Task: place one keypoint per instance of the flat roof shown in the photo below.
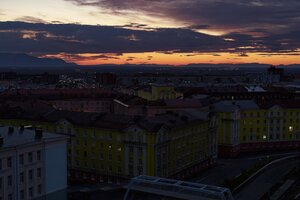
(17, 137)
(177, 189)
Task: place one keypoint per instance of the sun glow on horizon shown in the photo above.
(177, 59)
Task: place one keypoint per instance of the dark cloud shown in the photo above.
(77, 57)
(21, 37)
(74, 38)
(190, 55)
(274, 15)
(104, 57)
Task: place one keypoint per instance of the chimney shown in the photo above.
(1, 141)
(38, 133)
(10, 130)
(21, 130)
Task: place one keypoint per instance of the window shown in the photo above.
(39, 172)
(140, 170)
(9, 197)
(38, 155)
(9, 180)
(271, 137)
(22, 195)
(9, 164)
(140, 161)
(31, 192)
(40, 189)
(30, 157)
(141, 150)
(131, 149)
(21, 159)
(118, 137)
(22, 177)
(30, 174)
(130, 169)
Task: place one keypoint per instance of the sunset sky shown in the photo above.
(172, 32)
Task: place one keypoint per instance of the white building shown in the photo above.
(32, 163)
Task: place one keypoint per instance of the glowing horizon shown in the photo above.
(178, 59)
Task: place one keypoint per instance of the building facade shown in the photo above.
(244, 126)
(32, 163)
(156, 92)
(112, 148)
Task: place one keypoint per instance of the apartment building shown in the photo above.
(111, 148)
(247, 126)
(32, 163)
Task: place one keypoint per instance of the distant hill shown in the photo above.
(24, 60)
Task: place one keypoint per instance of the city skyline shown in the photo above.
(168, 32)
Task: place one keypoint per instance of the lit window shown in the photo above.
(264, 137)
(290, 128)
